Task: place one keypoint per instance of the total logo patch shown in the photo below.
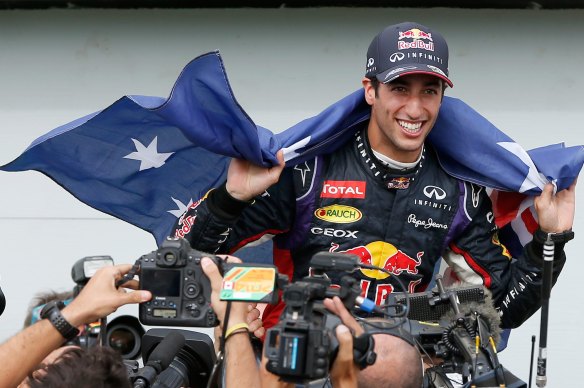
(338, 214)
(343, 189)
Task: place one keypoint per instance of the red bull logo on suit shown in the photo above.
(384, 255)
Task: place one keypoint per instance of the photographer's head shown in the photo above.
(97, 367)
(398, 365)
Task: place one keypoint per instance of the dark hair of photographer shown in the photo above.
(97, 367)
(42, 298)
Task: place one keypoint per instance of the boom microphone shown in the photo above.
(166, 351)
(160, 359)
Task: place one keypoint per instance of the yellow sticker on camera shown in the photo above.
(251, 284)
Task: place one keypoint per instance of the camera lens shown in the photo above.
(125, 340)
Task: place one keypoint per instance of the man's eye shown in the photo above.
(431, 91)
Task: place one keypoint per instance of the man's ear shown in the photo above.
(369, 90)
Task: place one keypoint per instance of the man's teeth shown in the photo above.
(410, 126)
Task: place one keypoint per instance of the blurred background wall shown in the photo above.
(519, 68)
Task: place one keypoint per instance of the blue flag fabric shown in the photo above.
(146, 159)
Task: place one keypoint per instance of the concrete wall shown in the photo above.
(520, 68)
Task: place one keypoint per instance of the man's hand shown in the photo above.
(344, 371)
(555, 213)
(254, 320)
(238, 311)
(336, 306)
(100, 297)
(245, 180)
(270, 380)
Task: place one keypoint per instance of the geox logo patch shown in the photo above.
(339, 214)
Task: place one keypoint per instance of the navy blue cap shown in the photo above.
(407, 48)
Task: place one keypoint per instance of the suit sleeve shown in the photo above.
(478, 257)
(219, 223)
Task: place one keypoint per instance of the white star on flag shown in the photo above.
(148, 156)
(182, 208)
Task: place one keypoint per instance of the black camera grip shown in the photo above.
(364, 350)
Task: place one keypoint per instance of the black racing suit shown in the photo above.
(404, 221)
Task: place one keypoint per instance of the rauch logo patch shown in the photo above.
(339, 214)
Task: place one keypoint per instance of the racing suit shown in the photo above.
(403, 221)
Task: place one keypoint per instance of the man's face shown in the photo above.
(402, 114)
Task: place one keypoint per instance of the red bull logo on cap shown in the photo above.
(384, 255)
(415, 33)
(418, 37)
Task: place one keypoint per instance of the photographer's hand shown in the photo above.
(344, 371)
(100, 297)
(241, 369)
(238, 313)
(23, 352)
(270, 380)
(254, 320)
(336, 306)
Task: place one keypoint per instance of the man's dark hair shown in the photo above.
(96, 367)
(375, 83)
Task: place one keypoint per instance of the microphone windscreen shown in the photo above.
(166, 350)
(487, 312)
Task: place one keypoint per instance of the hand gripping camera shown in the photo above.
(302, 346)
(181, 293)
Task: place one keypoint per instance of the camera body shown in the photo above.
(302, 346)
(181, 293)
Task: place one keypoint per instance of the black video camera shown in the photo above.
(173, 358)
(302, 346)
(181, 293)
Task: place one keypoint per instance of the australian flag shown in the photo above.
(146, 159)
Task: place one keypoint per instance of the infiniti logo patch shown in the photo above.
(396, 57)
(434, 192)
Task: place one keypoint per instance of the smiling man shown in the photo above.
(384, 197)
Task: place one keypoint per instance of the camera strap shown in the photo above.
(213, 381)
(130, 275)
(214, 377)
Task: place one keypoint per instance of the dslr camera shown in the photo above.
(181, 293)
